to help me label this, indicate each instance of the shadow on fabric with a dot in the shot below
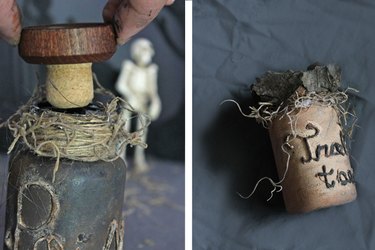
(240, 148)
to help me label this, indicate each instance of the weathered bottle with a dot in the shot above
(66, 181)
(81, 209)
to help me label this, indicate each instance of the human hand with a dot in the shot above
(131, 16)
(10, 21)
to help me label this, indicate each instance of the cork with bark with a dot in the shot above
(304, 112)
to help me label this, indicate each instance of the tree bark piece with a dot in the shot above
(277, 87)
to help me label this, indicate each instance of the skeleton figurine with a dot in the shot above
(137, 83)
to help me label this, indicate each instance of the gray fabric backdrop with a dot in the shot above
(236, 41)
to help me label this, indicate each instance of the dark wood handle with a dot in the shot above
(67, 43)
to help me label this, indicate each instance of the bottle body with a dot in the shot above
(81, 209)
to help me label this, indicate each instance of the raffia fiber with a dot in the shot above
(97, 134)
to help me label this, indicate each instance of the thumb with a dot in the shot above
(10, 21)
(169, 2)
(131, 16)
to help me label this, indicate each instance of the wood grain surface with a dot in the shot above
(67, 43)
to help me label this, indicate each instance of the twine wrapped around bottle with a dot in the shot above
(91, 134)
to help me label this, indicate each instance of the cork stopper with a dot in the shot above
(307, 136)
(68, 50)
(69, 85)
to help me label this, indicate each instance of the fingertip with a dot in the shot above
(18, 37)
(120, 41)
(107, 15)
(13, 38)
(10, 22)
(13, 41)
(170, 2)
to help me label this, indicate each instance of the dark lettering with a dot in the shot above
(351, 176)
(309, 126)
(342, 178)
(334, 149)
(319, 149)
(337, 149)
(345, 177)
(324, 174)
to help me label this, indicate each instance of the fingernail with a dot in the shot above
(120, 41)
(106, 15)
(12, 41)
(117, 23)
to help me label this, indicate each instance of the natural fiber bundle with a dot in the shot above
(91, 134)
(266, 112)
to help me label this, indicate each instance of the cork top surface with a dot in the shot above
(67, 43)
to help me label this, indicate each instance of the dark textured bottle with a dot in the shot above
(81, 209)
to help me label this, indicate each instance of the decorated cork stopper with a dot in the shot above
(68, 50)
(303, 111)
